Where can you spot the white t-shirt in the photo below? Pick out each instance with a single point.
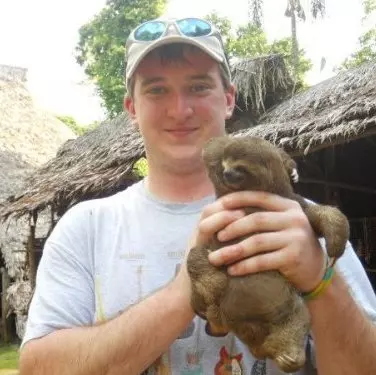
(107, 254)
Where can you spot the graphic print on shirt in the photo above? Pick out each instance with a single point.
(139, 282)
(188, 332)
(259, 367)
(100, 316)
(193, 365)
(160, 366)
(228, 364)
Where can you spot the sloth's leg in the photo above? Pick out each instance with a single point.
(332, 224)
(285, 343)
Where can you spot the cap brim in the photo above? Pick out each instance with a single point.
(169, 40)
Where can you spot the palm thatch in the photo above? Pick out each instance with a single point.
(261, 83)
(101, 162)
(24, 127)
(338, 110)
(13, 172)
(96, 164)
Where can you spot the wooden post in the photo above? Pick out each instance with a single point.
(5, 325)
(329, 170)
(31, 251)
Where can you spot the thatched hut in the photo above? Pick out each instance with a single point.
(29, 137)
(330, 129)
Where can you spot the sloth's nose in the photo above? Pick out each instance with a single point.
(233, 176)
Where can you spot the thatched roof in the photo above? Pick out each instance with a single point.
(95, 164)
(29, 137)
(13, 171)
(101, 162)
(26, 130)
(261, 82)
(335, 111)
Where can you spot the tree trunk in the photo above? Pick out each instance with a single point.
(294, 41)
(255, 12)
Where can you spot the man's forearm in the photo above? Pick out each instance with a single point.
(125, 345)
(345, 339)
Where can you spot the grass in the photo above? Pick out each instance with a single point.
(8, 356)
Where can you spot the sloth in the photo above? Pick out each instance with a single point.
(264, 310)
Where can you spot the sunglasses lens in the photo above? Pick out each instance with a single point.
(150, 31)
(194, 27)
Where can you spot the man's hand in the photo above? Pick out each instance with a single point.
(278, 238)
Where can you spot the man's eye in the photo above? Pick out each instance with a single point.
(198, 88)
(158, 90)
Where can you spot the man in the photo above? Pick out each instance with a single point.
(112, 293)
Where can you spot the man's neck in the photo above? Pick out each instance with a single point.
(174, 187)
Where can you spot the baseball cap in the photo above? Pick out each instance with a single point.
(156, 33)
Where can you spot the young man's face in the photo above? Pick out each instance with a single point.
(178, 106)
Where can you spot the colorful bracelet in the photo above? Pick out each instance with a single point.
(325, 282)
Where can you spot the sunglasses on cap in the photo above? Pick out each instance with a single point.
(190, 27)
(156, 33)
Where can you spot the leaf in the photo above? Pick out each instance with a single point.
(100, 49)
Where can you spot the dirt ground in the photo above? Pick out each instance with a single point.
(8, 372)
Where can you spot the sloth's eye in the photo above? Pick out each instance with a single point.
(241, 169)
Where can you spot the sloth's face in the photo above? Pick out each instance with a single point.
(240, 174)
(245, 163)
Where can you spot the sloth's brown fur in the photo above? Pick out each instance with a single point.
(264, 310)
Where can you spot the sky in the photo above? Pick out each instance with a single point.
(41, 35)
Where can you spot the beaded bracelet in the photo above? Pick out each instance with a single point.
(325, 282)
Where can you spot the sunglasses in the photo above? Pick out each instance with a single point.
(190, 27)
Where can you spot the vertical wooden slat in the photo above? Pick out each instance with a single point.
(31, 250)
(5, 324)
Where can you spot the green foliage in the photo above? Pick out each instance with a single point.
(9, 356)
(369, 6)
(141, 167)
(284, 48)
(251, 41)
(223, 24)
(75, 127)
(101, 46)
(367, 42)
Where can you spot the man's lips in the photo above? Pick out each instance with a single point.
(181, 131)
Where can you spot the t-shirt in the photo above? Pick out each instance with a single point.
(107, 254)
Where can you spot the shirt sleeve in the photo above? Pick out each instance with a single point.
(350, 267)
(64, 294)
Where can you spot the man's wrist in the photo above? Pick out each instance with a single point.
(180, 289)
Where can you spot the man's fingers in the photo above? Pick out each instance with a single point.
(259, 199)
(249, 247)
(215, 222)
(262, 221)
(212, 208)
(259, 263)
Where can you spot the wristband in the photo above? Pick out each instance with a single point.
(325, 282)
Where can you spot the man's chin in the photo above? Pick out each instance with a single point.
(186, 161)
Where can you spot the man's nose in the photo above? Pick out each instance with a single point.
(179, 107)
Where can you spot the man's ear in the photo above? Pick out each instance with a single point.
(290, 166)
(230, 100)
(130, 108)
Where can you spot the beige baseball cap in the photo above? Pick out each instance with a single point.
(156, 33)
